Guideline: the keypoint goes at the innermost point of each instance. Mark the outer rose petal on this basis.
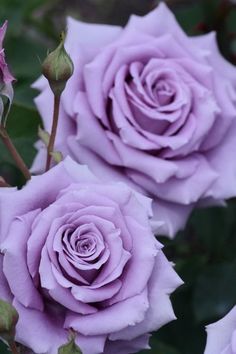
(221, 159)
(93, 345)
(174, 216)
(127, 347)
(41, 332)
(40, 192)
(15, 265)
(161, 284)
(161, 21)
(131, 311)
(208, 43)
(219, 335)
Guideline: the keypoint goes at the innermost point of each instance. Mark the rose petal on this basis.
(14, 264)
(131, 311)
(42, 332)
(162, 283)
(127, 347)
(91, 344)
(219, 333)
(174, 217)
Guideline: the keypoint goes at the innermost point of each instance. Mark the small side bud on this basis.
(58, 68)
(70, 347)
(8, 320)
(44, 136)
(57, 156)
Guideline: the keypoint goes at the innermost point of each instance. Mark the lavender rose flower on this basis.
(6, 78)
(221, 335)
(153, 107)
(80, 254)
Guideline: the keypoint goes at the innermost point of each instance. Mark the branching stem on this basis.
(53, 130)
(14, 153)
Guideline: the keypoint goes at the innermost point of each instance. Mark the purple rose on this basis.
(6, 78)
(221, 335)
(150, 106)
(80, 254)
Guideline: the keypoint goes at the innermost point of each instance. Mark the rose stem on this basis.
(13, 347)
(14, 153)
(53, 130)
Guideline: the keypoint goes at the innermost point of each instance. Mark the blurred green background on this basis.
(205, 251)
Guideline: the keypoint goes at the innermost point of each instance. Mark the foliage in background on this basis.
(204, 252)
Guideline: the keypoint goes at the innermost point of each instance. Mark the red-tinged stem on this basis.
(13, 347)
(3, 183)
(14, 153)
(53, 130)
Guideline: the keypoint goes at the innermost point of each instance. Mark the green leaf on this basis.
(215, 292)
(69, 348)
(3, 348)
(22, 127)
(215, 229)
(23, 55)
(8, 320)
(189, 16)
(8, 317)
(24, 95)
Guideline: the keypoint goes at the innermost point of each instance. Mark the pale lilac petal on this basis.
(42, 332)
(140, 255)
(127, 347)
(91, 344)
(219, 334)
(160, 170)
(162, 283)
(87, 295)
(14, 263)
(222, 159)
(131, 311)
(161, 21)
(174, 217)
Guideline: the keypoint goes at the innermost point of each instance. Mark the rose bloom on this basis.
(150, 106)
(221, 335)
(79, 254)
(6, 78)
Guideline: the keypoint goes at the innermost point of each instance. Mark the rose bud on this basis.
(6, 79)
(58, 68)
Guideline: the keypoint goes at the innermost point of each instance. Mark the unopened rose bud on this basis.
(8, 320)
(6, 79)
(58, 68)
